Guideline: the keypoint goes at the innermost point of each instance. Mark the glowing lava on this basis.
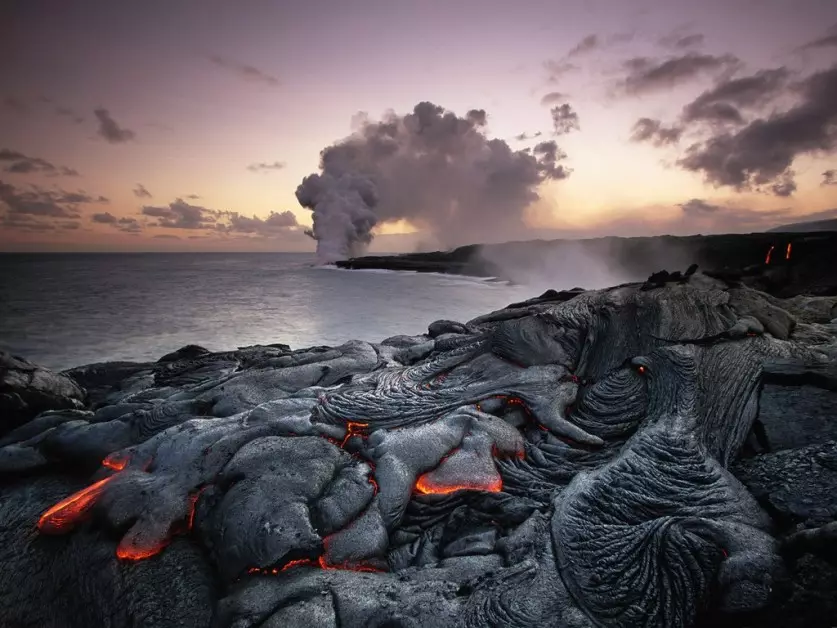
(353, 428)
(63, 516)
(769, 253)
(193, 502)
(346, 567)
(788, 251)
(425, 486)
(139, 553)
(116, 461)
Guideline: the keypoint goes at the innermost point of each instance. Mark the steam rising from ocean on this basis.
(436, 170)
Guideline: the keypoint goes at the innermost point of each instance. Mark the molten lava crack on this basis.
(63, 517)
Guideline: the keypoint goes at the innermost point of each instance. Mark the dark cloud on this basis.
(829, 177)
(762, 152)
(110, 130)
(646, 75)
(23, 222)
(266, 167)
(166, 236)
(826, 41)
(650, 130)
(12, 103)
(553, 97)
(556, 69)
(431, 167)
(723, 102)
(477, 116)
(698, 207)
(18, 163)
(192, 197)
(564, 119)
(141, 192)
(275, 223)
(129, 225)
(36, 202)
(37, 209)
(588, 44)
(522, 137)
(679, 41)
(548, 155)
(105, 218)
(66, 112)
(182, 215)
(245, 71)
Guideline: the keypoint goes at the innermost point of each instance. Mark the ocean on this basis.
(64, 310)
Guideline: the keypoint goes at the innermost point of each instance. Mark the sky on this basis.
(187, 125)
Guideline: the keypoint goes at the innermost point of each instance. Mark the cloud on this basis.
(679, 41)
(564, 119)
(245, 71)
(37, 209)
(522, 137)
(829, 177)
(698, 207)
(66, 112)
(129, 225)
(761, 152)
(266, 167)
(553, 97)
(722, 103)
(430, 167)
(588, 44)
(556, 69)
(650, 130)
(548, 155)
(166, 236)
(110, 130)
(275, 223)
(192, 197)
(12, 103)
(826, 41)
(141, 192)
(105, 218)
(18, 163)
(646, 75)
(181, 215)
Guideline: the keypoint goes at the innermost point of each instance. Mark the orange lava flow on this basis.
(353, 428)
(139, 553)
(788, 251)
(116, 461)
(769, 253)
(65, 514)
(426, 487)
(346, 567)
(193, 502)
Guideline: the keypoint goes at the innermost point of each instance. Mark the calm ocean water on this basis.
(63, 310)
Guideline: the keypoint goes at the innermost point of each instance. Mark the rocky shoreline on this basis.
(657, 453)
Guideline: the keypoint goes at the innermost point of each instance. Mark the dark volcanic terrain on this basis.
(658, 453)
(809, 267)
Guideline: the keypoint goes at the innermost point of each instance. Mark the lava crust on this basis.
(608, 458)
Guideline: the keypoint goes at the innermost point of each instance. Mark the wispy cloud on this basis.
(246, 71)
(110, 130)
(266, 167)
(18, 163)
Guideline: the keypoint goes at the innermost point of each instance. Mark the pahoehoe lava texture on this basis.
(606, 458)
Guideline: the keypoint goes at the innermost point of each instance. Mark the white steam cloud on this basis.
(431, 167)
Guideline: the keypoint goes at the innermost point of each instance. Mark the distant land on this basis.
(780, 262)
(807, 227)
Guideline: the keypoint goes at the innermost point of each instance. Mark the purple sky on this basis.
(188, 124)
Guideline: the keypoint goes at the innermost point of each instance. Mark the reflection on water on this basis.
(67, 309)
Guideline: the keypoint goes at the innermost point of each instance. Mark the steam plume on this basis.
(430, 167)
